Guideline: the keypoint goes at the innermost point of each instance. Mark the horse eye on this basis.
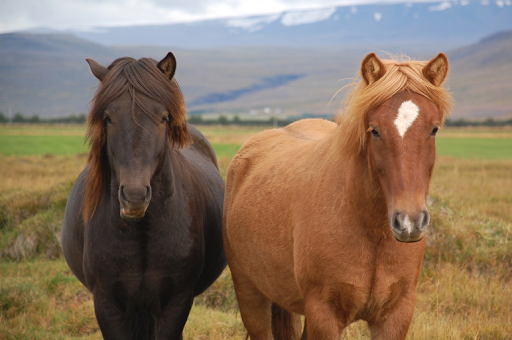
(165, 119)
(434, 131)
(375, 133)
(107, 119)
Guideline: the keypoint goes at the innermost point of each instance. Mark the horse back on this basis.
(201, 145)
(287, 148)
(312, 129)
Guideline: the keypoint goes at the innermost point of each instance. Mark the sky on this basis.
(16, 15)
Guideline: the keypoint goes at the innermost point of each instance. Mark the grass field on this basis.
(464, 292)
(63, 140)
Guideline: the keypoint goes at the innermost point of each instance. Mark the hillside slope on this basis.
(48, 75)
(481, 76)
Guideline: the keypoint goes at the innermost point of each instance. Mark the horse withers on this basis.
(328, 220)
(142, 228)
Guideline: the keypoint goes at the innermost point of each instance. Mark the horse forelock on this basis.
(133, 76)
(401, 75)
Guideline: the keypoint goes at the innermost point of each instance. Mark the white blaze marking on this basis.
(408, 224)
(407, 113)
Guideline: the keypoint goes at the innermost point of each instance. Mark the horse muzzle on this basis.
(409, 228)
(134, 202)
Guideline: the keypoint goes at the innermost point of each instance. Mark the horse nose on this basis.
(134, 201)
(135, 195)
(409, 229)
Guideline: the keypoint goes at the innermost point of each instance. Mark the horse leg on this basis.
(396, 323)
(322, 321)
(114, 324)
(170, 323)
(255, 308)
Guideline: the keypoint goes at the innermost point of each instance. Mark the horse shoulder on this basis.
(200, 174)
(204, 187)
(73, 228)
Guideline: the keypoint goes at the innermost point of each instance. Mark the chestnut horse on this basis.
(143, 223)
(327, 220)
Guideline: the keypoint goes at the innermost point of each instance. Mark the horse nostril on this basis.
(425, 219)
(123, 196)
(396, 223)
(148, 194)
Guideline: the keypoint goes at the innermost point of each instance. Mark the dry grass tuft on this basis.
(477, 187)
(229, 134)
(30, 173)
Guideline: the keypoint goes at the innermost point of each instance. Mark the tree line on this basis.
(488, 122)
(224, 120)
(35, 119)
(198, 119)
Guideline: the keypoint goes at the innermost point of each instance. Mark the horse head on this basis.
(401, 135)
(136, 126)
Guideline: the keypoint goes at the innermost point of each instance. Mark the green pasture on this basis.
(478, 148)
(225, 150)
(24, 141)
(22, 145)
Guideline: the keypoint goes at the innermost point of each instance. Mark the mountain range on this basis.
(445, 24)
(289, 63)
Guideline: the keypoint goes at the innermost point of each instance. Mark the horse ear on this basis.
(437, 70)
(372, 69)
(168, 65)
(98, 70)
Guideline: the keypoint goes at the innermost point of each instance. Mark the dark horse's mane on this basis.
(133, 76)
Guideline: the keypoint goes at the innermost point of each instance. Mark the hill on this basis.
(480, 77)
(442, 25)
(47, 75)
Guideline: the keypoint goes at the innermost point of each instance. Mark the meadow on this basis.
(464, 291)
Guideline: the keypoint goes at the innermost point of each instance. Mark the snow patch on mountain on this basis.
(253, 24)
(441, 7)
(501, 3)
(307, 17)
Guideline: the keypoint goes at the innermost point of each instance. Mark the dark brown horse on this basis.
(142, 228)
(327, 220)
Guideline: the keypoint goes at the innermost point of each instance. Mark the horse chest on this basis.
(136, 253)
(363, 284)
(394, 276)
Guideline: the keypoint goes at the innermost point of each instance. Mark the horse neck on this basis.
(363, 198)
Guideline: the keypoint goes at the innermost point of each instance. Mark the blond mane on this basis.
(401, 75)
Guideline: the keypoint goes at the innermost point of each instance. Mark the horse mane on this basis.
(401, 75)
(135, 76)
